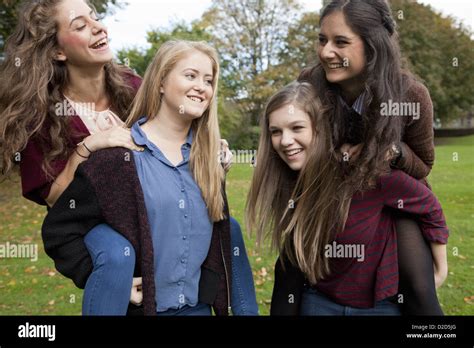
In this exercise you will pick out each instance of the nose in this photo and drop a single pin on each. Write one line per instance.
(98, 27)
(327, 51)
(286, 139)
(199, 85)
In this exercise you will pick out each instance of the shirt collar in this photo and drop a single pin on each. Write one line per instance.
(140, 138)
(358, 105)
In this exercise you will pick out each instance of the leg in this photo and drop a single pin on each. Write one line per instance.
(107, 290)
(416, 270)
(243, 300)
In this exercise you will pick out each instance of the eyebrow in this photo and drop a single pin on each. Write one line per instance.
(289, 124)
(197, 71)
(338, 37)
(80, 17)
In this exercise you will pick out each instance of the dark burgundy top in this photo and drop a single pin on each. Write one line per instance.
(371, 224)
(35, 183)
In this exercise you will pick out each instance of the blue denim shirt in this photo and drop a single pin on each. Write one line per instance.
(179, 222)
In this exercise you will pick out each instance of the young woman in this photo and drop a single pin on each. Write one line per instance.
(339, 242)
(168, 200)
(66, 100)
(360, 79)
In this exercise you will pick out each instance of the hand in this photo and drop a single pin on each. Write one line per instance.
(136, 295)
(226, 155)
(440, 263)
(440, 276)
(114, 137)
(350, 152)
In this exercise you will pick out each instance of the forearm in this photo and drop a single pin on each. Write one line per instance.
(67, 175)
(412, 164)
(440, 257)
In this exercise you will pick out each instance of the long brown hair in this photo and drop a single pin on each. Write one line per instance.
(204, 159)
(32, 85)
(302, 211)
(385, 80)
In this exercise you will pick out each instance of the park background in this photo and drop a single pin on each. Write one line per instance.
(263, 44)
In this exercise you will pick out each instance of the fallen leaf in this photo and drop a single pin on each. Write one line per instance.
(469, 299)
(51, 302)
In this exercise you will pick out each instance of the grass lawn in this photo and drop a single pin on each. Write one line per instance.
(35, 287)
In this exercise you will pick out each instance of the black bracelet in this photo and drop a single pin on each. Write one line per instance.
(84, 143)
(80, 154)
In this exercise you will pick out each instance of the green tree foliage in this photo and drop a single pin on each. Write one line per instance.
(440, 51)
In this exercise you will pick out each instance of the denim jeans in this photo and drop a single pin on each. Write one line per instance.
(243, 300)
(107, 291)
(201, 309)
(314, 302)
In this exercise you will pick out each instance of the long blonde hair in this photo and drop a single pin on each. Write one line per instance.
(33, 82)
(301, 211)
(204, 160)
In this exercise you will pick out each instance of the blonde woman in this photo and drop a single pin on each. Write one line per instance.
(168, 200)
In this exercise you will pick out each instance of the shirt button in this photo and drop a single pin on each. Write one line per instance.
(184, 237)
(182, 190)
(183, 260)
(185, 216)
(180, 283)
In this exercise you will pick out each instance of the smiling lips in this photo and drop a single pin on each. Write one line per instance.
(196, 98)
(334, 65)
(291, 154)
(99, 44)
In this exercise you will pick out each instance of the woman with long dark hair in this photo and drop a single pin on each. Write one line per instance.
(361, 80)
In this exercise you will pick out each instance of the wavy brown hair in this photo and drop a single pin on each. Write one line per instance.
(33, 82)
(204, 158)
(385, 79)
(301, 211)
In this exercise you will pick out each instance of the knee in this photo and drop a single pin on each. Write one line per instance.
(110, 248)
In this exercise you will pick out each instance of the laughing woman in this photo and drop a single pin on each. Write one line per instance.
(167, 200)
(358, 77)
(66, 100)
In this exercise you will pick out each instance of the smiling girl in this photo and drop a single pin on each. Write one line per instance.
(67, 100)
(359, 73)
(301, 196)
(169, 200)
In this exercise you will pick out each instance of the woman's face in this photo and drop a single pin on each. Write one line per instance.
(188, 88)
(341, 51)
(291, 133)
(81, 37)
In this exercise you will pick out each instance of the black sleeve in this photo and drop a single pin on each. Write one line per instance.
(287, 289)
(73, 215)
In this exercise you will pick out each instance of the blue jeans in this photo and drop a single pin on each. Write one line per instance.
(314, 302)
(243, 300)
(201, 309)
(107, 291)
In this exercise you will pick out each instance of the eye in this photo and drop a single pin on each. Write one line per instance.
(275, 131)
(190, 76)
(341, 42)
(81, 28)
(297, 128)
(322, 40)
(209, 82)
